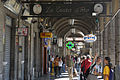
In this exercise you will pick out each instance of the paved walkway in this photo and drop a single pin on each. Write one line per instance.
(64, 76)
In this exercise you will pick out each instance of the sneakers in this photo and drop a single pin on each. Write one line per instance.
(60, 76)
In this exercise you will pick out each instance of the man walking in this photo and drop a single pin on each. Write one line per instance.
(69, 61)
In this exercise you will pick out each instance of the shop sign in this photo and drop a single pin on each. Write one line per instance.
(22, 31)
(70, 45)
(90, 38)
(46, 35)
(62, 9)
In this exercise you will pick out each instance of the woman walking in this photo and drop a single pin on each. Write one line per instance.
(107, 68)
(60, 66)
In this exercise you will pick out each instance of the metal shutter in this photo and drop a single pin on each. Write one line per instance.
(7, 52)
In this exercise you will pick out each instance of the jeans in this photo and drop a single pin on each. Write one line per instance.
(60, 70)
(56, 70)
(63, 67)
(50, 66)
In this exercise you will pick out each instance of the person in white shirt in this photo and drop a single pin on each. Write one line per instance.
(60, 66)
(52, 59)
(98, 68)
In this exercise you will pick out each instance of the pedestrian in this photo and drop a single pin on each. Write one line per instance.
(50, 66)
(86, 66)
(107, 68)
(97, 70)
(83, 58)
(78, 64)
(51, 62)
(69, 61)
(64, 66)
(56, 62)
(52, 59)
(60, 66)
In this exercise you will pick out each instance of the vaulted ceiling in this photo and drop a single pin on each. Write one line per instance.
(61, 25)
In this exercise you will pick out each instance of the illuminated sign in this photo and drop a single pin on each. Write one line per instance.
(90, 38)
(70, 45)
(46, 35)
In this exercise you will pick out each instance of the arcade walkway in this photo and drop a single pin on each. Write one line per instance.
(32, 31)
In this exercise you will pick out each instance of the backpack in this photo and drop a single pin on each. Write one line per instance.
(111, 75)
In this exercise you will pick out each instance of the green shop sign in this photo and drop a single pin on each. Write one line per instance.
(70, 45)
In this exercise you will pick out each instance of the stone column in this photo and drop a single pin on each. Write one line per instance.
(41, 58)
(105, 43)
(111, 43)
(108, 39)
(102, 47)
(32, 53)
(1, 41)
(100, 44)
(29, 52)
(117, 40)
(37, 51)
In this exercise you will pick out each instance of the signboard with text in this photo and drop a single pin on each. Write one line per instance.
(64, 9)
(90, 38)
(46, 35)
(22, 31)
